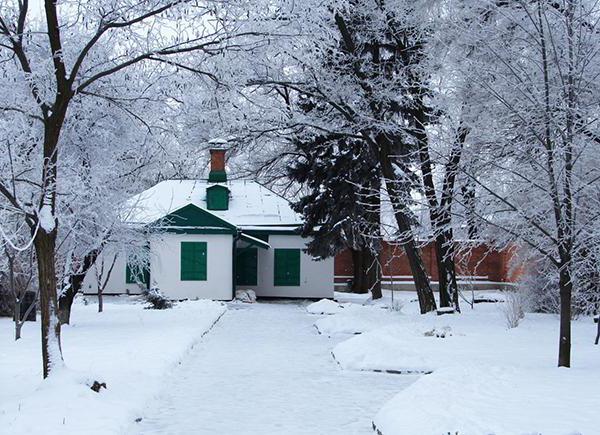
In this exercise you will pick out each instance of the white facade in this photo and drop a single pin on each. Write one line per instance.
(316, 277)
(116, 282)
(181, 209)
(165, 266)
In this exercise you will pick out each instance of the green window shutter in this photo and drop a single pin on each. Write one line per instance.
(217, 198)
(246, 266)
(287, 267)
(193, 261)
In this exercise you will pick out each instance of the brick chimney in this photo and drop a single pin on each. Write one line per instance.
(217, 165)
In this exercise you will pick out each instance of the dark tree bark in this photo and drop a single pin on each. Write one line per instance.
(469, 200)
(67, 296)
(358, 278)
(439, 209)
(566, 290)
(45, 244)
(367, 273)
(421, 280)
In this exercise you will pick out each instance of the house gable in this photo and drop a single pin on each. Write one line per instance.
(191, 219)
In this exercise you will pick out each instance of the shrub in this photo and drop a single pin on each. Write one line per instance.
(514, 308)
(156, 299)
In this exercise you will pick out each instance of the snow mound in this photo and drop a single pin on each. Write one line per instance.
(324, 306)
(380, 351)
(483, 400)
(356, 319)
(247, 296)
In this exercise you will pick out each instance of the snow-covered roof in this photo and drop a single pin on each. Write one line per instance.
(250, 203)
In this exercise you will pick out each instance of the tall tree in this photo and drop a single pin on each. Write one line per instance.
(71, 59)
(342, 206)
(536, 64)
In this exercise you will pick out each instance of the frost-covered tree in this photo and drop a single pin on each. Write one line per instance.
(536, 65)
(54, 72)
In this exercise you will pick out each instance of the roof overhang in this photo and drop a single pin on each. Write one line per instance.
(254, 241)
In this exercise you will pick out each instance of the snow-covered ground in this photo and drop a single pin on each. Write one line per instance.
(265, 370)
(279, 368)
(127, 347)
(486, 379)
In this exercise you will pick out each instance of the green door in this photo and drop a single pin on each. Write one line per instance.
(246, 266)
(287, 267)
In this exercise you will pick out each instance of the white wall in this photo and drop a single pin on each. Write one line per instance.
(116, 282)
(165, 266)
(316, 277)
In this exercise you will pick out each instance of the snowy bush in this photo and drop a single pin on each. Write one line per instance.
(396, 305)
(540, 286)
(156, 299)
(443, 332)
(514, 308)
(247, 296)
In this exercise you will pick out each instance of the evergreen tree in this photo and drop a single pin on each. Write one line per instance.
(341, 207)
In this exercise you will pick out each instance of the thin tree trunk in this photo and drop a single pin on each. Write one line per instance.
(566, 290)
(100, 302)
(18, 326)
(45, 244)
(598, 332)
(374, 275)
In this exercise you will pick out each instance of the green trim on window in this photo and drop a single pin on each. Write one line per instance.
(287, 267)
(246, 266)
(193, 261)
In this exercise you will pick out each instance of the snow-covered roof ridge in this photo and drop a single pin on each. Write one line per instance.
(250, 203)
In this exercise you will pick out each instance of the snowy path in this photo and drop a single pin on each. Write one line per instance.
(264, 370)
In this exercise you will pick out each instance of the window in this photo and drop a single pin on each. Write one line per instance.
(133, 274)
(246, 265)
(217, 198)
(287, 267)
(193, 261)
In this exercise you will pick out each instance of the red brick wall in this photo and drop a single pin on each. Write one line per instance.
(217, 160)
(471, 259)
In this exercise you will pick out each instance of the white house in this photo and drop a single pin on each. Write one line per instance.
(215, 236)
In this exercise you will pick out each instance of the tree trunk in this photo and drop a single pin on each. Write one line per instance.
(66, 298)
(100, 302)
(359, 279)
(374, 275)
(17, 317)
(444, 252)
(421, 280)
(598, 332)
(18, 326)
(45, 244)
(65, 303)
(367, 273)
(469, 200)
(566, 290)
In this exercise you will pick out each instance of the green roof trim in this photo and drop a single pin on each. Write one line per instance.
(191, 218)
